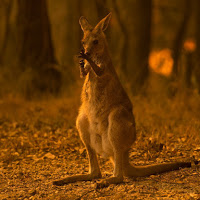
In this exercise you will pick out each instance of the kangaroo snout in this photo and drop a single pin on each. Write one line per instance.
(87, 51)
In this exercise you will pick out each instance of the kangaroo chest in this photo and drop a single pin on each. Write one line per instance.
(95, 91)
(96, 100)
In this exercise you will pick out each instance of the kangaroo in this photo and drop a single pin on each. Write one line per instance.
(105, 122)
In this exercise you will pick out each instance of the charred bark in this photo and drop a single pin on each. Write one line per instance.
(178, 41)
(139, 68)
(8, 7)
(197, 56)
(35, 46)
(125, 45)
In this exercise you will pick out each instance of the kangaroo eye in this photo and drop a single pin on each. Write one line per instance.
(83, 43)
(95, 42)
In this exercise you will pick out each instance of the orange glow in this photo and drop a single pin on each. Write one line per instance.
(161, 62)
(190, 45)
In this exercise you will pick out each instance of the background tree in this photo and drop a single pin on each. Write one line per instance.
(137, 20)
(125, 35)
(7, 5)
(34, 34)
(35, 46)
(102, 10)
(179, 37)
(197, 36)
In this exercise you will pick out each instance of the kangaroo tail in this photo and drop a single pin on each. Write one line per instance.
(142, 171)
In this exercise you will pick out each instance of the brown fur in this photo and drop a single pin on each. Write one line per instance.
(105, 122)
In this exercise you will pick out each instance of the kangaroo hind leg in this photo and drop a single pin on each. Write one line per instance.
(94, 170)
(121, 135)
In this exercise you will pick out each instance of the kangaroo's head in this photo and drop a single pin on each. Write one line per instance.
(94, 40)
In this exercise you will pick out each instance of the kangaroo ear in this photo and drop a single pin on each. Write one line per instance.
(103, 24)
(85, 26)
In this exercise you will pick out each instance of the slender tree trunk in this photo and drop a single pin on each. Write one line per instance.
(134, 40)
(189, 67)
(178, 42)
(125, 45)
(8, 6)
(197, 56)
(139, 43)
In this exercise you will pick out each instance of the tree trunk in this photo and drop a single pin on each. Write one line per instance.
(102, 10)
(178, 42)
(197, 56)
(8, 7)
(34, 36)
(188, 69)
(35, 46)
(125, 46)
(139, 29)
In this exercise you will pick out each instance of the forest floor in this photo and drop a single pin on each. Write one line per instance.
(39, 144)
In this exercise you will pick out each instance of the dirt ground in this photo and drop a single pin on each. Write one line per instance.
(39, 144)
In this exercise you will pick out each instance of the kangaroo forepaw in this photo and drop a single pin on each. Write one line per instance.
(83, 55)
(83, 72)
(81, 63)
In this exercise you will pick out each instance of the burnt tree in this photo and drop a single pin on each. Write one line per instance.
(8, 6)
(136, 24)
(125, 35)
(197, 56)
(35, 46)
(179, 38)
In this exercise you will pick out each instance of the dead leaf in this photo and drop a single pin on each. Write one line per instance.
(49, 155)
(197, 149)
